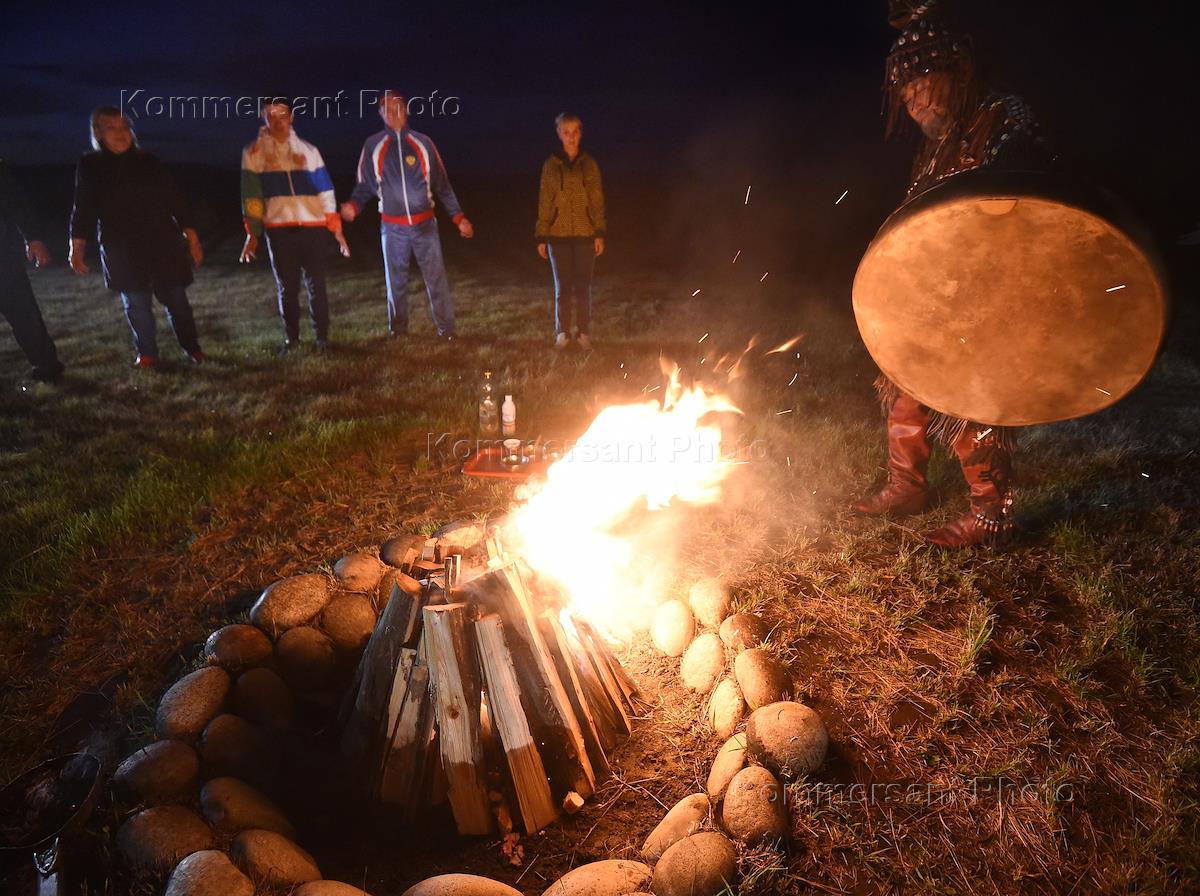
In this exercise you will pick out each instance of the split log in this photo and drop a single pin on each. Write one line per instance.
(628, 687)
(437, 789)
(400, 781)
(536, 805)
(548, 691)
(616, 696)
(551, 716)
(408, 658)
(566, 662)
(430, 787)
(605, 711)
(366, 726)
(454, 671)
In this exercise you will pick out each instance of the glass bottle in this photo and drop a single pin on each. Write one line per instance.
(489, 410)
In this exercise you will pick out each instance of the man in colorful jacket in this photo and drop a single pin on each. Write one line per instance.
(288, 195)
(403, 169)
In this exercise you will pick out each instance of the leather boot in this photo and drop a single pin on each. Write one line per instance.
(908, 458)
(987, 467)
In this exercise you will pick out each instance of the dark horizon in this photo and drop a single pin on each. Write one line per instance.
(684, 109)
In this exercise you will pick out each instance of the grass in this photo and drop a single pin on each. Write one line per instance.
(113, 453)
(140, 510)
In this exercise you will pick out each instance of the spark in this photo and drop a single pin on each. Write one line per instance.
(696, 293)
(794, 378)
(781, 413)
(1115, 288)
(1104, 391)
(736, 255)
(626, 375)
(789, 460)
(791, 343)
(747, 202)
(840, 198)
(622, 367)
(655, 389)
(984, 434)
(963, 341)
(1146, 475)
(763, 277)
(701, 339)
(702, 360)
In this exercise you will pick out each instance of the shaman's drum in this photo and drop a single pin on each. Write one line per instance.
(1011, 298)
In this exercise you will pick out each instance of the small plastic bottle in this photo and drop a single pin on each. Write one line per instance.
(489, 419)
(508, 417)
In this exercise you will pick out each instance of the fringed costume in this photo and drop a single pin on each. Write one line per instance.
(980, 130)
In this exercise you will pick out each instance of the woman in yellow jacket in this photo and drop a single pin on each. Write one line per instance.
(570, 229)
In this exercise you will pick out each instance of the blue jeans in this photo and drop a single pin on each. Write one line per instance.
(139, 311)
(402, 243)
(572, 261)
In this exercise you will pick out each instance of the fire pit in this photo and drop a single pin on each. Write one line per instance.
(471, 674)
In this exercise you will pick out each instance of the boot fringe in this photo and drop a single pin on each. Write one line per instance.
(887, 392)
(946, 429)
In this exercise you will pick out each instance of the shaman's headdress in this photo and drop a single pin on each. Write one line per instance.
(928, 42)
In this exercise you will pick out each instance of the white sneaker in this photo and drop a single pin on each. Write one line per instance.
(562, 341)
(584, 342)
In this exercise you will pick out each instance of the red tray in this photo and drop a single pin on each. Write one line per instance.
(486, 463)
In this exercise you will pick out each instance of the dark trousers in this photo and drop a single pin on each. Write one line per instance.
(19, 307)
(572, 261)
(139, 311)
(300, 252)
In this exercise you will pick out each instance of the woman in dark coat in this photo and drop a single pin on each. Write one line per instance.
(148, 245)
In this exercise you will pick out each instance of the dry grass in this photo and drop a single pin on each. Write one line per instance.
(1002, 722)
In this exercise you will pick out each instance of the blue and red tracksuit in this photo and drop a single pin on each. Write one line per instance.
(404, 170)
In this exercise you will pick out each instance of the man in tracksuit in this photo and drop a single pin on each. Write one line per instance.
(288, 194)
(19, 242)
(404, 170)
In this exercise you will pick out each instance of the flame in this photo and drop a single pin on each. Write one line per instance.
(604, 520)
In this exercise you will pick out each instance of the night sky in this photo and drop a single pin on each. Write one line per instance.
(735, 95)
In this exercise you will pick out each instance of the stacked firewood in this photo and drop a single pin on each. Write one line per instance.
(487, 694)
